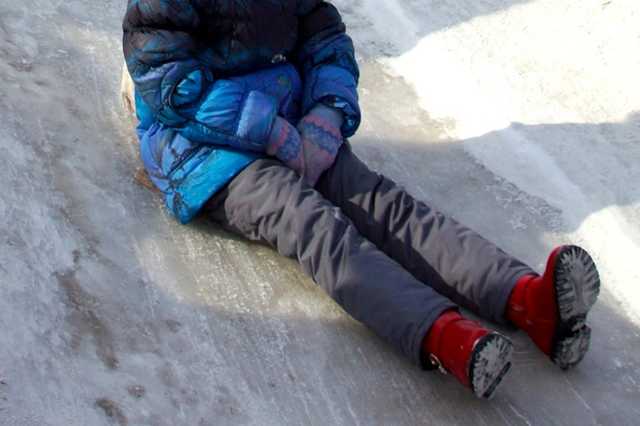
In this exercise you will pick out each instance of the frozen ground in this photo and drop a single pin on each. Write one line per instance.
(520, 118)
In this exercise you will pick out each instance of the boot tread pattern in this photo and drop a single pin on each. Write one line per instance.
(570, 350)
(490, 361)
(577, 286)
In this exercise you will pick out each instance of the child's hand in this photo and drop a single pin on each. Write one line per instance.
(321, 139)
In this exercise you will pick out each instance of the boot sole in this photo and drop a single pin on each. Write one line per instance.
(577, 285)
(490, 362)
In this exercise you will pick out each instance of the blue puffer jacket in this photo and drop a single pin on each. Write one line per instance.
(211, 76)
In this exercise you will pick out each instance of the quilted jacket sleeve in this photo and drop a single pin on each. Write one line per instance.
(170, 73)
(326, 59)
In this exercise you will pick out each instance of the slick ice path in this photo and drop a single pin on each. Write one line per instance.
(520, 118)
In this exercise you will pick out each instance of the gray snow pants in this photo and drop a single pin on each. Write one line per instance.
(389, 260)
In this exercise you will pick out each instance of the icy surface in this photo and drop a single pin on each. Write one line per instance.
(520, 118)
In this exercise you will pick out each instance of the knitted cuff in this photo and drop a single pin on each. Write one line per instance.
(329, 116)
(284, 141)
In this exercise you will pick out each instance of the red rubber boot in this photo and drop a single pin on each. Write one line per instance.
(553, 308)
(477, 357)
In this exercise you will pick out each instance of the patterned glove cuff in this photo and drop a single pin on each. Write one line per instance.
(326, 115)
(284, 141)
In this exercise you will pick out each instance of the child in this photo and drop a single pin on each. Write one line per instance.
(243, 111)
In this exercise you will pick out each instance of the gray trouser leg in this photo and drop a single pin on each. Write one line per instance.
(269, 202)
(440, 252)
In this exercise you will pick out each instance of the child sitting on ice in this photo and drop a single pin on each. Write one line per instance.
(243, 110)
